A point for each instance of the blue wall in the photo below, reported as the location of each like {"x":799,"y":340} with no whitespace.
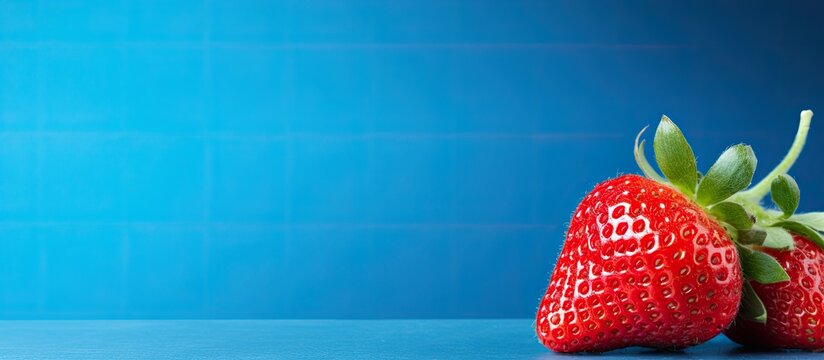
{"x":311,"y":159}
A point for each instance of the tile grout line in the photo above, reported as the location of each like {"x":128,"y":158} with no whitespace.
{"x":208,"y":165}
{"x":547,"y":136}
{"x":269,"y":45}
{"x":203,"y":225}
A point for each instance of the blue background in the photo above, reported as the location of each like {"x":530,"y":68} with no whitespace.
{"x":312,"y":159}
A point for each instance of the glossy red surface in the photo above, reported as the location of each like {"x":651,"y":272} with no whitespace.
{"x":641,"y":265}
{"x":795,"y":308}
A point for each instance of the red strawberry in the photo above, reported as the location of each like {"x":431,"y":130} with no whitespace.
{"x":642,"y":265}
{"x":785,"y":314}
{"x":795,"y":308}
{"x":661,"y":262}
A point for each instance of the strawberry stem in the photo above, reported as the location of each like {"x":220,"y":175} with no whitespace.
{"x":757,"y":192}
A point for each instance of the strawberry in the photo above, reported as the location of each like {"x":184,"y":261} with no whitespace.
{"x":642,"y":265}
{"x":788,"y":314}
{"x":795,"y":307}
{"x":668,"y":261}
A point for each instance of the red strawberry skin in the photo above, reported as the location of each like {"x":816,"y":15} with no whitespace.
{"x":642,"y":265}
{"x":795,"y":308}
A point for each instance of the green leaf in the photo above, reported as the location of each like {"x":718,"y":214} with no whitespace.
{"x":754,"y":236}
{"x":761,"y":267}
{"x":785,"y":194}
{"x":731,"y":231}
{"x":778,"y":238}
{"x":674,"y":156}
{"x":803,"y":230}
{"x":752,"y":308}
{"x":641,"y":159}
{"x":814,"y":220}
{"x":733,"y":214}
{"x":731,"y":173}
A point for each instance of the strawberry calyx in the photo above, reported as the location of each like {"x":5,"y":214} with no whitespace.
{"x":722,"y":192}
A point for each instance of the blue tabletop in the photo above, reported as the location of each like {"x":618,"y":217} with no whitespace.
{"x":313,"y":339}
